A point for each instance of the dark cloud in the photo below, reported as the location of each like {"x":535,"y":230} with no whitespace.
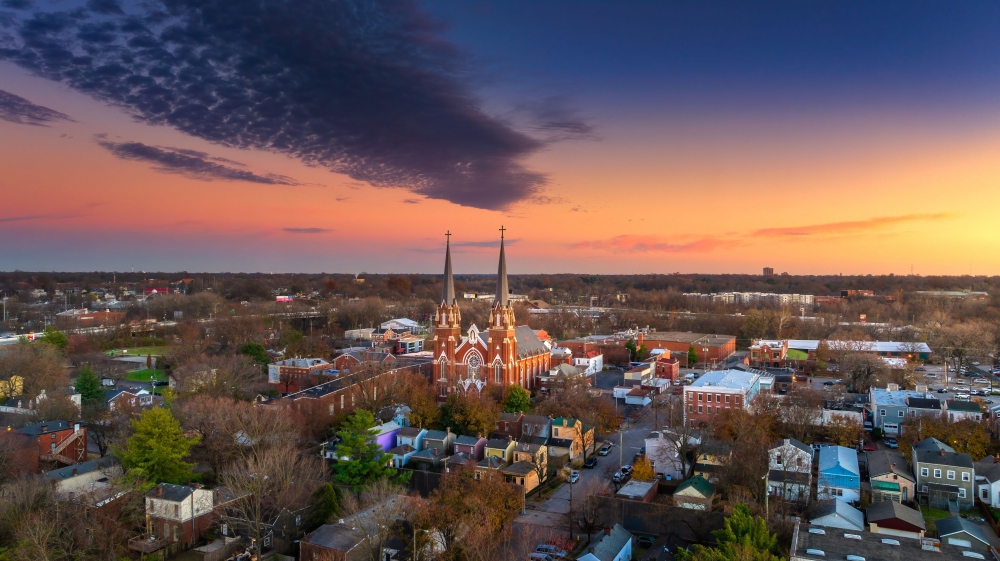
{"x":16,"y":4}
{"x":362,"y":87}
{"x":411,"y":201}
{"x":306,"y":230}
{"x":33,"y":217}
{"x":555,"y":119}
{"x":16,"y":109}
{"x":190,"y":163}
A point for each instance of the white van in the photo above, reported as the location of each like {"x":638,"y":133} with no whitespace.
{"x":962,"y":396}
{"x":981,"y":382}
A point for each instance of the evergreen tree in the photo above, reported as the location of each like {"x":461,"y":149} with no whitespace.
{"x":54,"y":337}
{"x":360,"y":459}
{"x":324,"y":505}
{"x":692,"y":356}
{"x":256,"y":351}
{"x":743,"y":537}
{"x":518,"y":399}
{"x":88,"y":385}
{"x":156,"y":451}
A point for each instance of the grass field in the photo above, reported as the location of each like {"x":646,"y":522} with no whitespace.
{"x":143,"y":351}
{"x":144,"y":374}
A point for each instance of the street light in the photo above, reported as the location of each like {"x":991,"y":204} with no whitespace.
{"x":415,"y":530}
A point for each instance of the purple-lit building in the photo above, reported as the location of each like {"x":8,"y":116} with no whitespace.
{"x":385,"y":435}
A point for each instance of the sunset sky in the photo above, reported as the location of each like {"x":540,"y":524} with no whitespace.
{"x":813,"y":137}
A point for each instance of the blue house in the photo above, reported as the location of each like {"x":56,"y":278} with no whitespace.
{"x":839,"y":474}
{"x":409,"y":440}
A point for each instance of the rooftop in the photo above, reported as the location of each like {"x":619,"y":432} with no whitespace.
{"x":883,"y":462}
{"x":611,"y":545}
{"x":689,"y":338}
{"x":727,"y":379}
{"x":830,"y":457}
{"x":838,"y":508}
{"x":966,"y":406}
{"x":891,"y":510}
{"x":82,"y":468}
{"x":833,"y":543}
{"x":636,"y":488}
{"x":897,"y":398}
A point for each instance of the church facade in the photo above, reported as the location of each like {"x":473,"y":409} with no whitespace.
{"x":504,"y":353}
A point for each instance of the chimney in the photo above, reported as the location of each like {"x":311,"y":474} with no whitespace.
{"x":44,"y":427}
{"x":75,"y":472}
{"x":436,"y":451}
{"x":607,"y":531}
{"x":159,"y":490}
{"x":447,"y":430}
{"x":996,"y":459}
{"x":942,"y":452}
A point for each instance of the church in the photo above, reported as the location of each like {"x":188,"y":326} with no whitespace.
{"x":505,"y":353}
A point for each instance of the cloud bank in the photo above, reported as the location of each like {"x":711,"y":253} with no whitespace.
{"x":190,"y":163}
{"x":366,"y":88}
{"x":16,"y":109}
{"x":306,"y":230}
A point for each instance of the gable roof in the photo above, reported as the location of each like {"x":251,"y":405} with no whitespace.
{"x":967,"y":406}
{"x":989,"y":468}
{"x":943,"y":458}
{"x":793,"y":442}
{"x":891,"y":510}
{"x":932,"y":444}
{"x":882,"y":462}
{"x":467,"y":440}
{"x":826,"y":511}
{"x":82,"y":468}
{"x":409,"y":432}
{"x":832,"y":457}
{"x":611,"y":545}
{"x":337,"y":537}
{"x":170,"y":492}
{"x":956,"y":524}
{"x":436,"y":435}
{"x":698,"y":484}
{"x":528,"y":343}
{"x":924,"y":403}
{"x":498,"y":443}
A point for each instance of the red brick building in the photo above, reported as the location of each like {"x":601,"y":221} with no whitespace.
{"x":351,"y":360}
{"x":667,"y":368}
{"x":56,"y":442}
{"x":296,"y":374}
{"x":711,"y":349}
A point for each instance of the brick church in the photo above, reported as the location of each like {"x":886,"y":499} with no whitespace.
{"x":505,"y":353}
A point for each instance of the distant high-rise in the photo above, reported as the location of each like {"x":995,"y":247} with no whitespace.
{"x":768,"y":271}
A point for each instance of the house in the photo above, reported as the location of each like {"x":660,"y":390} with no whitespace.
{"x":535,"y":454}
{"x":440,"y":440}
{"x":295,"y":374}
{"x":712,"y":456}
{"x":944,"y":477}
{"x":988,"y":480}
{"x":355,"y":538}
{"x":355,"y":359}
{"x":667,"y":368}
{"x":85,"y":476}
{"x":474,"y":446}
{"x":790,"y":470}
{"x":641,"y":375}
{"x":962,"y":410}
{"x":890,"y":476}
{"x":889,"y":407}
{"x":635,"y":490}
{"x":576,"y":432}
{"x":177,"y":516}
{"x":813,"y":543}
{"x":460,"y":460}
{"x":894,"y":519}
{"x":638,"y":396}
{"x":411,"y":436}
{"x":501,"y":448}
{"x":717,"y":391}
{"x":662,"y":450}
{"x":590,"y":363}
{"x":923,"y":407}
{"x":965,"y":533}
{"x":839,"y":474}
{"x":509,"y":424}
{"x":695,"y":493}
{"x":835,"y":513}
{"x":400,"y":455}
{"x":559,"y":376}
{"x":521,"y":473}
{"x":408,"y":344}
{"x":58,"y":442}
{"x":385,"y":434}
{"x":490,"y":462}
{"x":536,"y":428}
{"x":116,"y":399}
{"x":428,"y":457}
{"x":615,"y":545}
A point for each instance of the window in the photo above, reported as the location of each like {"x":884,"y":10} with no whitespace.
{"x":690,"y":408}
{"x":838,"y":492}
{"x":342,"y":398}
{"x":881,"y":412}
{"x":965,"y":476}
{"x":709,"y":398}
{"x":923,"y":472}
{"x":53,"y":436}
{"x":331,"y":409}
{"x":777,"y":459}
{"x":937,"y":473}
{"x":699,"y":409}
{"x":961,"y":492}
{"x":727,"y":399}
{"x":497,"y":372}
{"x":900,"y":412}
{"x":701,"y":396}
{"x":718,"y":398}
{"x":951,"y":474}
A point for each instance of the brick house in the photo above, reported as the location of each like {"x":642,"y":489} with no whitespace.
{"x":716,"y":391}
{"x":58,"y":442}
{"x":177,"y":516}
{"x":352,"y":360}
{"x":667,"y":368}
{"x":509,"y":424}
{"x":295,"y":374}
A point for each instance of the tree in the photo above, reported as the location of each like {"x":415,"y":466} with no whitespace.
{"x":643,"y":470}
{"x":257,"y":352}
{"x":361,"y":460}
{"x":424,"y":409}
{"x":470,"y":414}
{"x":822,"y":356}
{"x":965,"y":436}
{"x":323,"y":506}
{"x":862,"y":370}
{"x":591,"y":512}
{"x":27,"y":369}
{"x":518,"y":399}
{"x":744,"y":537}
{"x":801,"y":414}
{"x":845,"y":431}
{"x":692,"y":356}
{"x":88,"y":385}
{"x":54,"y":337}
{"x":157,"y":449}
{"x":273,"y":480}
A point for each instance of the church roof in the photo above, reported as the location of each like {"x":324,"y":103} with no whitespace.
{"x":502,"y":290}
{"x":448,"y":294}
{"x":528,"y":343}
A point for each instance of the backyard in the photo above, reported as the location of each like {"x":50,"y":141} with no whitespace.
{"x":146,"y":374}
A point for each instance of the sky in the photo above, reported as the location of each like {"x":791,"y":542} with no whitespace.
{"x":813,"y":137}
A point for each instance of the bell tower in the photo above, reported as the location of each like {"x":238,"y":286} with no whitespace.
{"x":447,"y":327}
{"x":500,"y":367}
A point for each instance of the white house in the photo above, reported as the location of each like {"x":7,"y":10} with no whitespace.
{"x":615,"y":545}
{"x":661,"y":450}
{"x":987,"y":473}
{"x":590,"y":364}
{"x":962,"y":410}
{"x":790,"y":469}
{"x":401,"y":324}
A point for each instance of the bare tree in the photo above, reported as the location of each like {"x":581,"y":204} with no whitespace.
{"x":862,"y":370}
{"x":385,"y":504}
{"x":591,"y":512}
{"x":27,"y":369}
{"x":802,"y":413}
{"x":273,"y":480}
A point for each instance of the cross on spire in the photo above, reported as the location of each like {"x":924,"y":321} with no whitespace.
{"x":448,"y":235}
{"x":502,"y":230}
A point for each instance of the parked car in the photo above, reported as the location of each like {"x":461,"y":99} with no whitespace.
{"x":550,"y":550}
{"x":942,"y":390}
{"x":605,"y":450}
{"x":869,"y":446}
{"x":829,"y":383}
{"x":627,"y":469}
{"x":891,"y":443}
{"x":574,"y":476}
{"x":591,"y":462}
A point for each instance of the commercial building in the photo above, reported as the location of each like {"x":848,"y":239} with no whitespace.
{"x":717,"y":391}
{"x":711,"y":349}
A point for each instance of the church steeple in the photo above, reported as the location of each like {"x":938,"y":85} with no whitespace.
{"x":448,"y":294}
{"x":501,"y":299}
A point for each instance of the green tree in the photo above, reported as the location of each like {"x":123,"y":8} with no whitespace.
{"x":361,"y":460}
{"x":631,"y":346}
{"x":324,"y":505}
{"x":54,"y":337}
{"x":157,"y":448}
{"x":256,"y":351}
{"x":88,"y":385}
{"x":744,"y":537}
{"x":692,"y":356}
{"x":518,"y":399}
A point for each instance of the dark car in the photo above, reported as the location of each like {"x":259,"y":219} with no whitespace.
{"x":870,"y":446}
{"x":591,"y":462}
{"x":829,"y":383}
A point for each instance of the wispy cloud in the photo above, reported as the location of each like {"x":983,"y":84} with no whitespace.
{"x":708,"y":244}
{"x":16,"y":109}
{"x":190,"y":163}
{"x":411,"y":201}
{"x":33,"y":217}
{"x":307,"y":230}
{"x":383,"y":101}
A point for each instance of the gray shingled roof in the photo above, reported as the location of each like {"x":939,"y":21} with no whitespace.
{"x":933,"y":444}
{"x":956,"y":524}
{"x":171,"y":492}
{"x":891,"y":510}
{"x":35,"y":429}
{"x":611,"y":545}
{"x":827,"y":510}
{"x":880,"y":462}
{"x":781,"y":443}
{"x":989,"y":468}
{"x":948,"y":459}
{"x":528,"y":343}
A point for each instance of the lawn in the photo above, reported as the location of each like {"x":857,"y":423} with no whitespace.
{"x":144,"y":375}
{"x":143,"y":351}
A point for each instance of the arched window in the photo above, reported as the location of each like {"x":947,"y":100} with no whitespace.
{"x":474,"y":363}
{"x":498,"y":372}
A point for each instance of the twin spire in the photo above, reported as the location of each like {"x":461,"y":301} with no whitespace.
{"x":448,"y":294}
